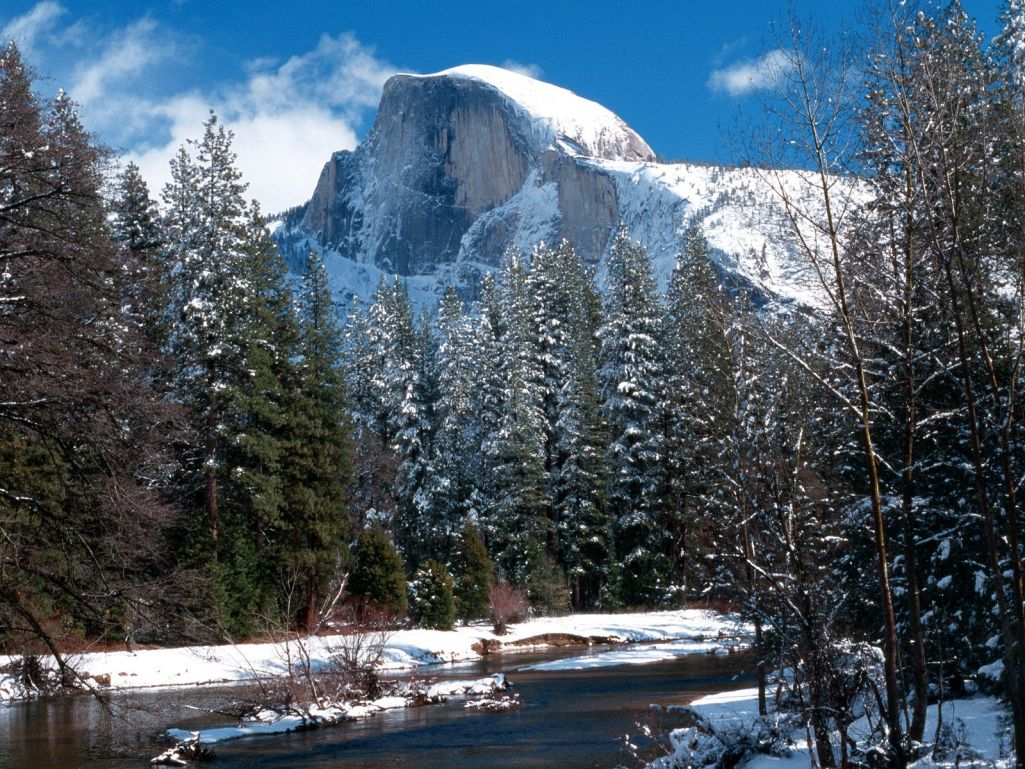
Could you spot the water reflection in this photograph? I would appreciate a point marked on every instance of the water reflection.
(571, 719)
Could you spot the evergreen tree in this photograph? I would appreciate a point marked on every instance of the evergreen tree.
(488, 403)
(135, 224)
(135, 219)
(378, 572)
(234, 343)
(401, 384)
(456, 444)
(372, 490)
(431, 603)
(205, 226)
(474, 575)
(317, 466)
(516, 451)
(575, 439)
(632, 368)
(81, 426)
(700, 411)
(255, 422)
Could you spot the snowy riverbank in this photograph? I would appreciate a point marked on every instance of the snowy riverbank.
(700, 630)
(976, 735)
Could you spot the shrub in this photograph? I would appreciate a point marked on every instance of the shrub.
(508, 604)
(378, 572)
(431, 603)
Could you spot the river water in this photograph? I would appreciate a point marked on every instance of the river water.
(570, 720)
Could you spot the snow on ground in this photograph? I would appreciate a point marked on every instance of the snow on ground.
(639, 655)
(728, 710)
(404, 649)
(272, 722)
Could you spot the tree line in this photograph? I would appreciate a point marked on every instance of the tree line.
(175, 449)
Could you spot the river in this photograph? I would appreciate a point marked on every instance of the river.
(570, 720)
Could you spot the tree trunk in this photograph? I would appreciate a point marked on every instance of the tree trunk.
(919, 670)
(818, 703)
(763, 709)
(1015, 695)
(211, 491)
(311, 617)
(878, 522)
(210, 461)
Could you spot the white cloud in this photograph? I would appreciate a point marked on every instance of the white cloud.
(132, 83)
(27, 29)
(127, 54)
(750, 75)
(530, 70)
(287, 119)
(280, 151)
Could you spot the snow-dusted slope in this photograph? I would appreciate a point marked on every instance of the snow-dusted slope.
(462, 164)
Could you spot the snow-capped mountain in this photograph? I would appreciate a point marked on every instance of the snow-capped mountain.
(464, 163)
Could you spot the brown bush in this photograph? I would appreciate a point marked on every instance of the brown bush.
(508, 604)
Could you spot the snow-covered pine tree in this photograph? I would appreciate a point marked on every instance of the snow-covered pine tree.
(205, 232)
(632, 380)
(488, 404)
(515, 450)
(700, 398)
(372, 491)
(135, 224)
(457, 439)
(575, 439)
(135, 220)
(401, 384)
(233, 340)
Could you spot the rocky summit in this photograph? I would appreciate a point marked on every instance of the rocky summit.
(464, 164)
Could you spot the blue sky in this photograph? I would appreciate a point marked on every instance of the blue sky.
(299, 80)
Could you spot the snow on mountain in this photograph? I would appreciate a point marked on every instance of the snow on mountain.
(463, 164)
(558, 116)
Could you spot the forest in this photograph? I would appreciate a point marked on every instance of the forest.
(194, 445)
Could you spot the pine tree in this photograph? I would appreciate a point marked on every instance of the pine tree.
(700, 397)
(474, 575)
(205, 227)
(135, 224)
(575, 439)
(457, 440)
(516, 451)
(632, 368)
(317, 466)
(372, 490)
(401, 384)
(431, 604)
(378, 572)
(488, 403)
(135, 219)
(234, 344)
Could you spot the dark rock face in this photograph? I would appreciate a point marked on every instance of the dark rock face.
(443, 153)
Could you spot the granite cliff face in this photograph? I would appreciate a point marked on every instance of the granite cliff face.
(461, 165)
